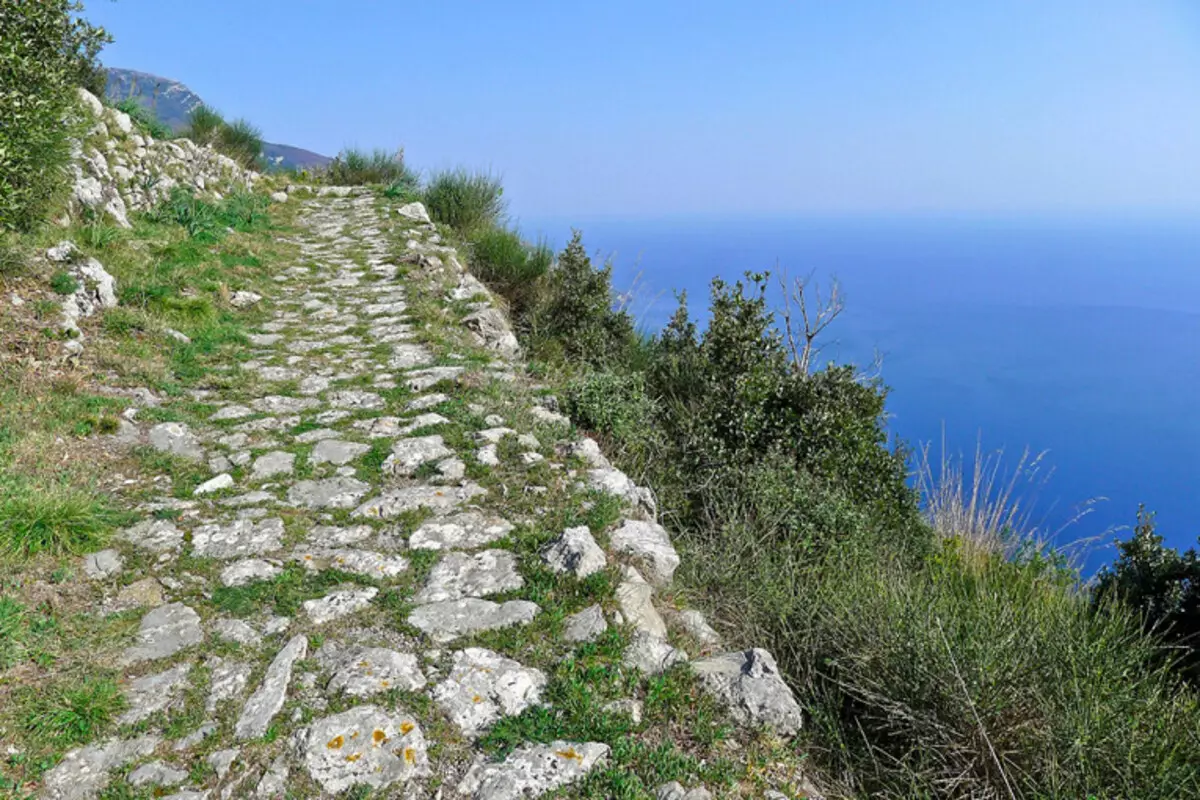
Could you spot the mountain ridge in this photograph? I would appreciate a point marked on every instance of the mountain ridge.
(172, 102)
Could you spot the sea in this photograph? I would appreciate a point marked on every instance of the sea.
(1077, 340)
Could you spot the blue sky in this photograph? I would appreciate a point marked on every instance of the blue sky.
(648, 109)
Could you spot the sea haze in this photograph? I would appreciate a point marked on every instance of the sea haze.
(1080, 338)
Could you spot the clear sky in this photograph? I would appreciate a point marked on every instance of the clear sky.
(647, 108)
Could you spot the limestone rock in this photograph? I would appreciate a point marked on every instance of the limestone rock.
(395, 502)
(675, 791)
(364, 671)
(460, 575)
(153, 693)
(532, 770)
(222, 481)
(164, 632)
(484, 686)
(586, 625)
(103, 564)
(694, 623)
(277, 462)
(408, 454)
(339, 492)
(450, 619)
(360, 562)
(222, 760)
(83, 773)
(335, 451)
(490, 328)
(750, 683)
(635, 598)
(244, 299)
(236, 630)
(156, 535)
(248, 570)
(228, 681)
(651, 655)
(414, 211)
(157, 773)
(616, 482)
(177, 439)
(649, 543)
(365, 745)
(338, 604)
(268, 699)
(576, 552)
(238, 539)
(463, 531)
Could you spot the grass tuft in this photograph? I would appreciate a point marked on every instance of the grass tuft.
(54, 518)
(467, 201)
(354, 167)
(73, 714)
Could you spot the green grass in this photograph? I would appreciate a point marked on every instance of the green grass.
(510, 265)
(203, 124)
(73, 714)
(466, 201)
(354, 167)
(283, 594)
(145, 119)
(241, 141)
(64, 283)
(54, 518)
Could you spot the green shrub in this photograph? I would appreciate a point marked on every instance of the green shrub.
(145, 119)
(204, 122)
(354, 167)
(511, 266)
(610, 403)
(63, 283)
(47, 53)
(241, 141)
(466, 201)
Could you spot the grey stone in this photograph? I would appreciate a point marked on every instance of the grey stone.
(164, 632)
(649, 543)
(408, 454)
(177, 439)
(156, 535)
(364, 671)
(157, 773)
(575, 551)
(450, 619)
(279, 404)
(196, 737)
(675, 791)
(451, 469)
(238, 539)
(651, 655)
(460, 575)
(629, 707)
(696, 626)
(277, 462)
(222, 481)
(357, 399)
(103, 564)
(236, 630)
(231, 412)
(465, 531)
(314, 384)
(426, 401)
(273, 784)
(490, 328)
(493, 435)
(338, 604)
(83, 773)
(414, 211)
(248, 570)
(547, 417)
(153, 693)
(427, 420)
(635, 599)
(334, 536)
(616, 482)
(586, 625)
(532, 770)
(360, 562)
(588, 451)
(420, 380)
(365, 745)
(407, 356)
(228, 681)
(395, 502)
(488, 455)
(221, 761)
(750, 684)
(484, 686)
(335, 451)
(187, 794)
(244, 299)
(339, 492)
(320, 434)
(268, 699)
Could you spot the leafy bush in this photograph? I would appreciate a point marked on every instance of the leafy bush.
(145, 119)
(354, 167)
(63, 283)
(1162, 587)
(610, 403)
(48, 53)
(510, 266)
(466, 201)
(241, 141)
(204, 122)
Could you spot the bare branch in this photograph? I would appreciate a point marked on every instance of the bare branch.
(817, 312)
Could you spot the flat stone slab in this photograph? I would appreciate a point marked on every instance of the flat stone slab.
(268, 465)
(176, 439)
(426, 401)
(364, 671)
(750, 684)
(585, 626)
(247, 571)
(238, 539)
(336, 451)
(365, 745)
(616, 482)
(337, 536)
(228, 681)
(635, 598)
(409, 454)
(649, 543)
(395, 502)
(429, 420)
(155, 535)
(83, 773)
(357, 400)
(268, 699)
(484, 686)
(460, 575)
(217, 484)
(164, 632)
(308, 437)
(360, 562)
(407, 356)
(420, 380)
(232, 412)
(336, 605)
(278, 404)
(157, 773)
(150, 694)
(574, 551)
(464, 531)
(651, 655)
(103, 564)
(532, 770)
(236, 630)
(450, 619)
(329, 493)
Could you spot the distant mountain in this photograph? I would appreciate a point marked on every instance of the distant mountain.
(172, 103)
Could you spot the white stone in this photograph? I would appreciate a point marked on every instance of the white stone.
(365, 745)
(532, 770)
(576, 552)
(447, 620)
(222, 481)
(248, 570)
(460, 575)
(338, 604)
(649, 543)
(268, 699)
(484, 686)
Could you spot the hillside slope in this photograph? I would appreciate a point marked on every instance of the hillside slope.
(172, 102)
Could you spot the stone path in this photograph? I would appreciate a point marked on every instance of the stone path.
(349, 691)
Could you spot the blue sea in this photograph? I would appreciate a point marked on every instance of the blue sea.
(1077, 338)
